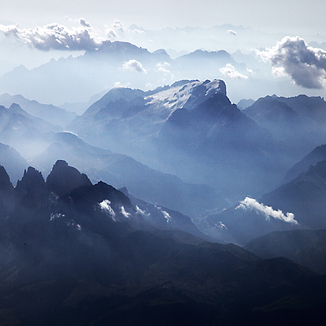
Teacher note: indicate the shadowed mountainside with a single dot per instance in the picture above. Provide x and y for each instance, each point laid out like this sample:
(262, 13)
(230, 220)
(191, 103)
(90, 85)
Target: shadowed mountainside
(88, 257)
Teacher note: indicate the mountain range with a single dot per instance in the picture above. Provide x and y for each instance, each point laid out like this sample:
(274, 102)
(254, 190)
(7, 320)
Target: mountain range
(177, 206)
(49, 113)
(76, 79)
(81, 253)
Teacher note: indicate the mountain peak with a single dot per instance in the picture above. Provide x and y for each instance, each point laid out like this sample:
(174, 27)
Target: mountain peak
(64, 178)
(31, 180)
(5, 183)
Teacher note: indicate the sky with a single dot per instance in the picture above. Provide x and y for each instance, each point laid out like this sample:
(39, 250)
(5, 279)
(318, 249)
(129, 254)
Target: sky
(43, 30)
(276, 15)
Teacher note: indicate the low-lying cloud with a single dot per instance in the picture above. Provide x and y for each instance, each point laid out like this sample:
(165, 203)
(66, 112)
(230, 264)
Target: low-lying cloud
(55, 37)
(269, 212)
(134, 65)
(231, 72)
(304, 64)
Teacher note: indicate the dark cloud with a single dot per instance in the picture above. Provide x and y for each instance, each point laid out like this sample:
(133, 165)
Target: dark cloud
(84, 23)
(54, 37)
(292, 56)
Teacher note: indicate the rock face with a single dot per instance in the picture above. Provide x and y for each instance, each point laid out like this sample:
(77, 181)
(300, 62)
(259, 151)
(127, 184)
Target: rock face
(6, 193)
(31, 190)
(64, 178)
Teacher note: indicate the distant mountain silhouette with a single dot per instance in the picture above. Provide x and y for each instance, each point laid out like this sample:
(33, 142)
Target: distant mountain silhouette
(49, 113)
(76, 79)
(23, 131)
(297, 121)
(13, 162)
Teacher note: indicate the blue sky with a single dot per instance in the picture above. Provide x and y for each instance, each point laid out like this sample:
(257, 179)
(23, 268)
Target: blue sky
(276, 15)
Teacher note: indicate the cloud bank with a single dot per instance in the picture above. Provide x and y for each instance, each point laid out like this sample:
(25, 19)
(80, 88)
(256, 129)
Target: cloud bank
(56, 37)
(293, 57)
(269, 212)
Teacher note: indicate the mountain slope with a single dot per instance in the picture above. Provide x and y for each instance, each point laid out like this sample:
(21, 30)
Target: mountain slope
(304, 247)
(298, 204)
(81, 259)
(312, 158)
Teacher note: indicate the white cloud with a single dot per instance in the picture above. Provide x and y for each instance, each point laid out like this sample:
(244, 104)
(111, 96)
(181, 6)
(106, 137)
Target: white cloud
(120, 85)
(105, 206)
(252, 204)
(293, 57)
(166, 216)
(124, 212)
(164, 67)
(231, 72)
(55, 37)
(142, 212)
(134, 65)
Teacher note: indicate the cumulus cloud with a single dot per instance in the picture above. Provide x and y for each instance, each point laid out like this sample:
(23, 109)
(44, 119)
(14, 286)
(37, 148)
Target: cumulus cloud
(293, 57)
(230, 31)
(231, 72)
(269, 212)
(105, 206)
(134, 65)
(55, 37)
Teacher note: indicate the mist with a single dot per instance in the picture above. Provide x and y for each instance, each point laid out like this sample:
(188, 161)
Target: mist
(161, 175)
